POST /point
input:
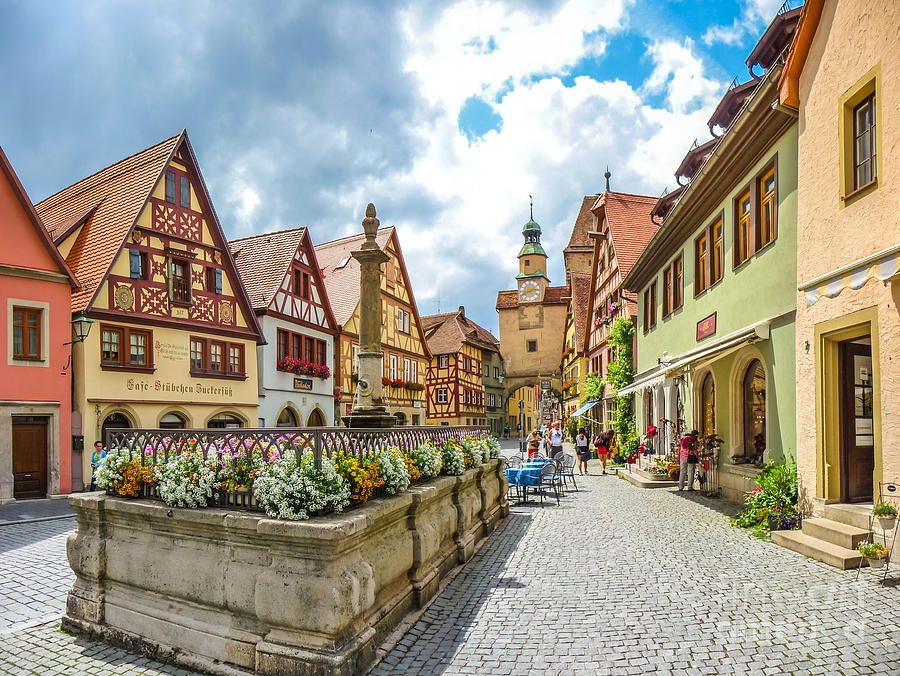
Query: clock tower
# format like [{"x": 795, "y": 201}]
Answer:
[{"x": 532, "y": 278}]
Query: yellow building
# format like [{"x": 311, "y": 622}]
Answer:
[
  {"x": 842, "y": 78},
  {"x": 406, "y": 355},
  {"x": 530, "y": 418},
  {"x": 173, "y": 343},
  {"x": 460, "y": 356},
  {"x": 574, "y": 363}
]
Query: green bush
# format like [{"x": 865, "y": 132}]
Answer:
[
  {"x": 884, "y": 509},
  {"x": 772, "y": 502}
]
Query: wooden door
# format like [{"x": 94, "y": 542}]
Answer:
[
  {"x": 29, "y": 459},
  {"x": 856, "y": 422}
]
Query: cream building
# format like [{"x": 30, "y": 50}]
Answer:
[{"x": 841, "y": 77}]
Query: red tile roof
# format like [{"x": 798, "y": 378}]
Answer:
[
  {"x": 263, "y": 260},
  {"x": 554, "y": 295},
  {"x": 35, "y": 220},
  {"x": 630, "y": 226},
  {"x": 581, "y": 292},
  {"x": 111, "y": 199},
  {"x": 584, "y": 223},
  {"x": 340, "y": 271},
  {"x": 447, "y": 332}
]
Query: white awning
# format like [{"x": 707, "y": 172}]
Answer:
[
  {"x": 699, "y": 357},
  {"x": 881, "y": 265},
  {"x": 584, "y": 409}
]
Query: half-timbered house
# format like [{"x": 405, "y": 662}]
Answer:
[
  {"x": 406, "y": 355},
  {"x": 461, "y": 351},
  {"x": 284, "y": 283},
  {"x": 174, "y": 337}
]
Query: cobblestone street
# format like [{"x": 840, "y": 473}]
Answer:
[{"x": 616, "y": 580}]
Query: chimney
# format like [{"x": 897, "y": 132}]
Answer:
[{"x": 462, "y": 311}]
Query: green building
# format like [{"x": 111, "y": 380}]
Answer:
[{"x": 717, "y": 286}]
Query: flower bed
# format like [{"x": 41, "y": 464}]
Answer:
[{"x": 283, "y": 480}]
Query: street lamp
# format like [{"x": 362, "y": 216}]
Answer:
[{"x": 81, "y": 327}]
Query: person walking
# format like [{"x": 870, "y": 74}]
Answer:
[
  {"x": 583, "y": 450},
  {"x": 506, "y": 431},
  {"x": 556, "y": 440},
  {"x": 601, "y": 443},
  {"x": 534, "y": 443},
  {"x": 98, "y": 457},
  {"x": 687, "y": 454}
]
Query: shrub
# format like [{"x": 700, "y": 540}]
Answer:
[
  {"x": 454, "y": 459},
  {"x": 187, "y": 480},
  {"x": 393, "y": 470},
  {"x": 772, "y": 502},
  {"x": 428, "y": 459},
  {"x": 292, "y": 489}
]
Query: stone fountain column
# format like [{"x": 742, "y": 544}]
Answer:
[{"x": 368, "y": 409}]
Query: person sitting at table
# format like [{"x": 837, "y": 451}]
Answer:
[
  {"x": 534, "y": 443},
  {"x": 583, "y": 450}
]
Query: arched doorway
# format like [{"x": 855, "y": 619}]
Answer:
[
  {"x": 316, "y": 419},
  {"x": 401, "y": 418},
  {"x": 172, "y": 421},
  {"x": 113, "y": 421},
  {"x": 754, "y": 410},
  {"x": 287, "y": 418},
  {"x": 224, "y": 421}
]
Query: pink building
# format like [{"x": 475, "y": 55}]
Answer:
[{"x": 35, "y": 372}]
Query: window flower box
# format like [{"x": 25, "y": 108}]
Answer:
[{"x": 302, "y": 367}]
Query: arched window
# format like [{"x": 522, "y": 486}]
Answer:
[
  {"x": 113, "y": 421},
  {"x": 754, "y": 410},
  {"x": 287, "y": 418},
  {"x": 224, "y": 421},
  {"x": 316, "y": 419},
  {"x": 708, "y": 405},
  {"x": 172, "y": 421}
]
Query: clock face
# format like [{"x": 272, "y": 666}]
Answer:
[{"x": 529, "y": 290}]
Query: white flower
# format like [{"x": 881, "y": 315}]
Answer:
[
  {"x": 393, "y": 470},
  {"x": 454, "y": 459},
  {"x": 187, "y": 480},
  {"x": 428, "y": 459},
  {"x": 108, "y": 474},
  {"x": 286, "y": 489}
]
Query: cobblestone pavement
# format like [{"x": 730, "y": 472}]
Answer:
[
  {"x": 617, "y": 580},
  {"x": 34, "y": 573},
  {"x": 620, "y": 580}
]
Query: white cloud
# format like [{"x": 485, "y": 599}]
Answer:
[
  {"x": 679, "y": 72},
  {"x": 754, "y": 15}
]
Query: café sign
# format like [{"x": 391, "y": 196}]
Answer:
[
  {"x": 303, "y": 384},
  {"x": 706, "y": 327}
]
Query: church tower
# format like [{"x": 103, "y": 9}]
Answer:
[{"x": 532, "y": 279}]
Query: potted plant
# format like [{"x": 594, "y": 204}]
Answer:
[
  {"x": 886, "y": 514},
  {"x": 875, "y": 553}
]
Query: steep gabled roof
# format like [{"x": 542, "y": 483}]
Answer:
[
  {"x": 340, "y": 271},
  {"x": 584, "y": 223},
  {"x": 35, "y": 220},
  {"x": 108, "y": 202},
  {"x": 581, "y": 299},
  {"x": 263, "y": 261},
  {"x": 447, "y": 332},
  {"x": 630, "y": 225}
]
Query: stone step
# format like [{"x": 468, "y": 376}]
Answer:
[
  {"x": 820, "y": 550},
  {"x": 639, "y": 481},
  {"x": 851, "y": 515},
  {"x": 836, "y": 533}
]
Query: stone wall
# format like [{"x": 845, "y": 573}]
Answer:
[{"x": 227, "y": 591}]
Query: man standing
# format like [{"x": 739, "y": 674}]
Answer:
[{"x": 556, "y": 440}]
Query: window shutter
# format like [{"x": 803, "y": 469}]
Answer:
[
  {"x": 134, "y": 263},
  {"x": 218, "y": 281},
  {"x": 184, "y": 197},
  {"x": 170, "y": 187}
]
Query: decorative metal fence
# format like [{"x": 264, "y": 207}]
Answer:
[{"x": 157, "y": 446}]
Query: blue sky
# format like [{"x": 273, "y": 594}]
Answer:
[{"x": 446, "y": 114}]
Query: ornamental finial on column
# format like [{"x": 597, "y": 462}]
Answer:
[{"x": 370, "y": 223}]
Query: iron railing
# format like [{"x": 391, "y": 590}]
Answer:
[{"x": 156, "y": 446}]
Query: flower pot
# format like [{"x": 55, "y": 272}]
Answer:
[
  {"x": 877, "y": 563},
  {"x": 887, "y": 522}
]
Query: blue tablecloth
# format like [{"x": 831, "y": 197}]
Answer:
[{"x": 529, "y": 475}]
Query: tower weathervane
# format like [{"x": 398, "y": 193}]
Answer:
[
  {"x": 606, "y": 175},
  {"x": 531, "y": 207}
]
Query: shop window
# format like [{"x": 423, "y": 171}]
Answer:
[
  {"x": 287, "y": 418},
  {"x": 754, "y": 410},
  {"x": 172, "y": 421},
  {"x": 224, "y": 421},
  {"x": 708, "y": 405},
  {"x": 27, "y": 336}
]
